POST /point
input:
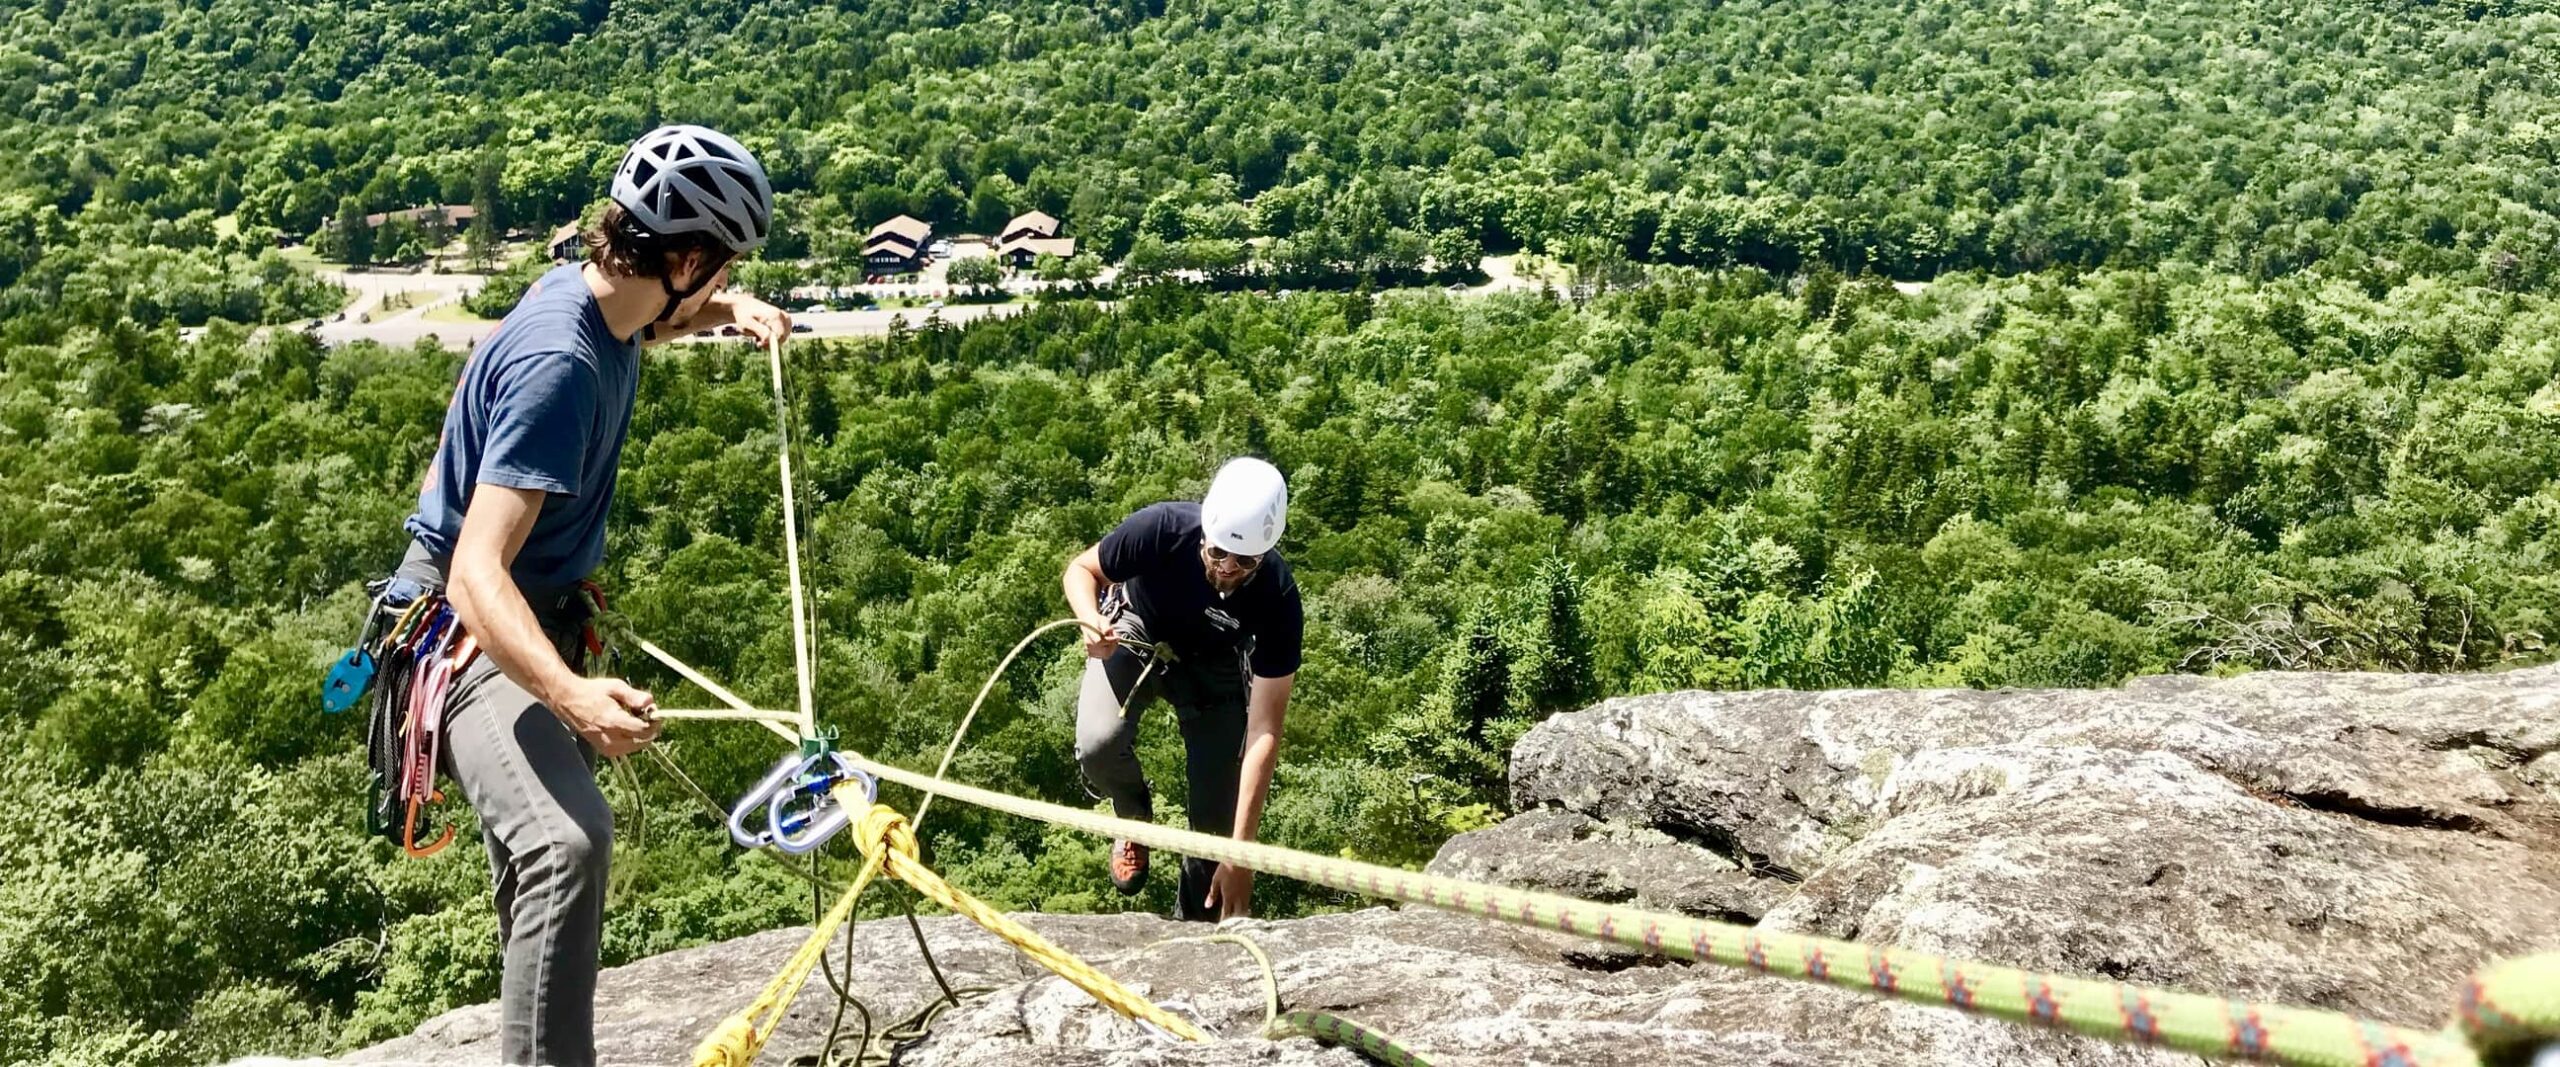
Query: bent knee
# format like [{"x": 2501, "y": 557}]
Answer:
[
  {"x": 577, "y": 848},
  {"x": 1107, "y": 757},
  {"x": 1100, "y": 751}
]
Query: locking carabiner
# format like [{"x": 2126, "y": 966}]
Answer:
[{"x": 799, "y": 804}]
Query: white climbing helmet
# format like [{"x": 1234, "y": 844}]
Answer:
[
  {"x": 692, "y": 179},
  {"x": 1247, "y": 506}
]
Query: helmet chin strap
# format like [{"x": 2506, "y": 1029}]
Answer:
[{"x": 675, "y": 298}]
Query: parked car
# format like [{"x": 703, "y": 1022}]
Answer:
[
  {"x": 801, "y": 327},
  {"x": 702, "y": 333},
  {"x": 730, "y": 330},
  {"x": 933, "y": 305}
]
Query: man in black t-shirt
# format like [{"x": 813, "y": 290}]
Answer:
[{"x": 1216, "y": 618}]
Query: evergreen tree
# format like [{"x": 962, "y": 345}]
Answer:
[
  {"x": 354, "y": 239},
  {"x": 488, "y": 201},
  {"x": 1563, "y": 679},
  {"x": 1477, "y": 684}
]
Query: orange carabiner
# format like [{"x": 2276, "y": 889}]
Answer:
[{"x": 409, "y": 832}]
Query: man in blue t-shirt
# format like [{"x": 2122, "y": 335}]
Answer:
[
  {"x": 511, "y": 519},
  {"x": 1202, "y": 590}
]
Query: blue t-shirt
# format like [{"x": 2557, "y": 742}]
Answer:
[{"x": 543, "y": 404}]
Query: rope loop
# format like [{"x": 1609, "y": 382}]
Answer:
[
  {"x": 732, "y": 1044},
  {"x": 880, "y": 826}
]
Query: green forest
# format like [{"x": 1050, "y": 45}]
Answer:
[
  {"x": 2236, "y": 352},
  {"x": 2378, "y": 142}
]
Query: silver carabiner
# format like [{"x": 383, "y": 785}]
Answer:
[
  {"x": 799, "y": 804},
  {"x": 802, "y": 817}
]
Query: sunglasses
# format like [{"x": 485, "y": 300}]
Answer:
[{"x": 1220, "y": 555}]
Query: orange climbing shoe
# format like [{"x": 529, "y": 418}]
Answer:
[{"x": 1128, "y": 867}]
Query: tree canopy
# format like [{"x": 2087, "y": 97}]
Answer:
[{"x": 2258, "y": 138}]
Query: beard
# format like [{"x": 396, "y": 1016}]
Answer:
[{"x": 1228, "y": 583}]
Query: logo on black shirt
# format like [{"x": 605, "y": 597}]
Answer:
[{"x": 1223, "y": 620}]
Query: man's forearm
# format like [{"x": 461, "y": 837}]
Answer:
[
  {"x": 715, "y": 313},
  {"x": 1266, "y": 709},
  {"x": 1253, "y": 784},
  {"x": 495, "y": 612}
]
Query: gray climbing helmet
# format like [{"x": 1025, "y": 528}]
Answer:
[{"x": 691, "y": 179}]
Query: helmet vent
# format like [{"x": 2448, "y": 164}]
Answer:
[{"x": 688, "y": 179}]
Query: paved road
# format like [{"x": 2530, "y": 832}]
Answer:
[{"x": 407, "y": 329}]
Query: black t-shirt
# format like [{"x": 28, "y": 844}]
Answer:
[{"x": 1156, "y": 554}]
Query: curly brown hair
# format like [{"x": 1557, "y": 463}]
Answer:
[{"x": 620, "y": 247}]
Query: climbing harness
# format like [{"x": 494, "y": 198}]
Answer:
[
  {"x": 1132, "y": 631},
  {"x": 411, "y": 654}
]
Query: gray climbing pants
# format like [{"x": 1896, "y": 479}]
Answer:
[
  {"x": 1208, "y": 698},
  {"x": 550, "y": 838}
]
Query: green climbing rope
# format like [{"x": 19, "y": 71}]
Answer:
[
  {"x": 1323, "y": 1026},
  {"x": 2509, "y": 1014}
]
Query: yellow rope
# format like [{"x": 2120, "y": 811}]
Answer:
[
  {"x": 953, "y": 749},
  {"x": 738, "y": 1038},
  {"x": 721, "y": 715},
  {"x": 2507, "y": 1009},
  {"x": 888, "y": 843},
  {"x": 882, "y": 826},
  {"x": 791, "y": 547}
]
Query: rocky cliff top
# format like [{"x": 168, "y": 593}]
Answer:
[{"x": 2357, "y": 842}]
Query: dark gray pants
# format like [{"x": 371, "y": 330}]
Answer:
[
  {"x": 1208, "y": 698},
  {"x": 550, "y": 838}
]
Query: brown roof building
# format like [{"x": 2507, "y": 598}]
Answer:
[
  {"x": 452, "y": 217},
  {"x": 565, "y": 243},
  {"x": 1029, "y": 224},
  {"x": 896, "y": 246},
  {"x": 914, "y": 230},
  {"x": 1021, "y": 251}
]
